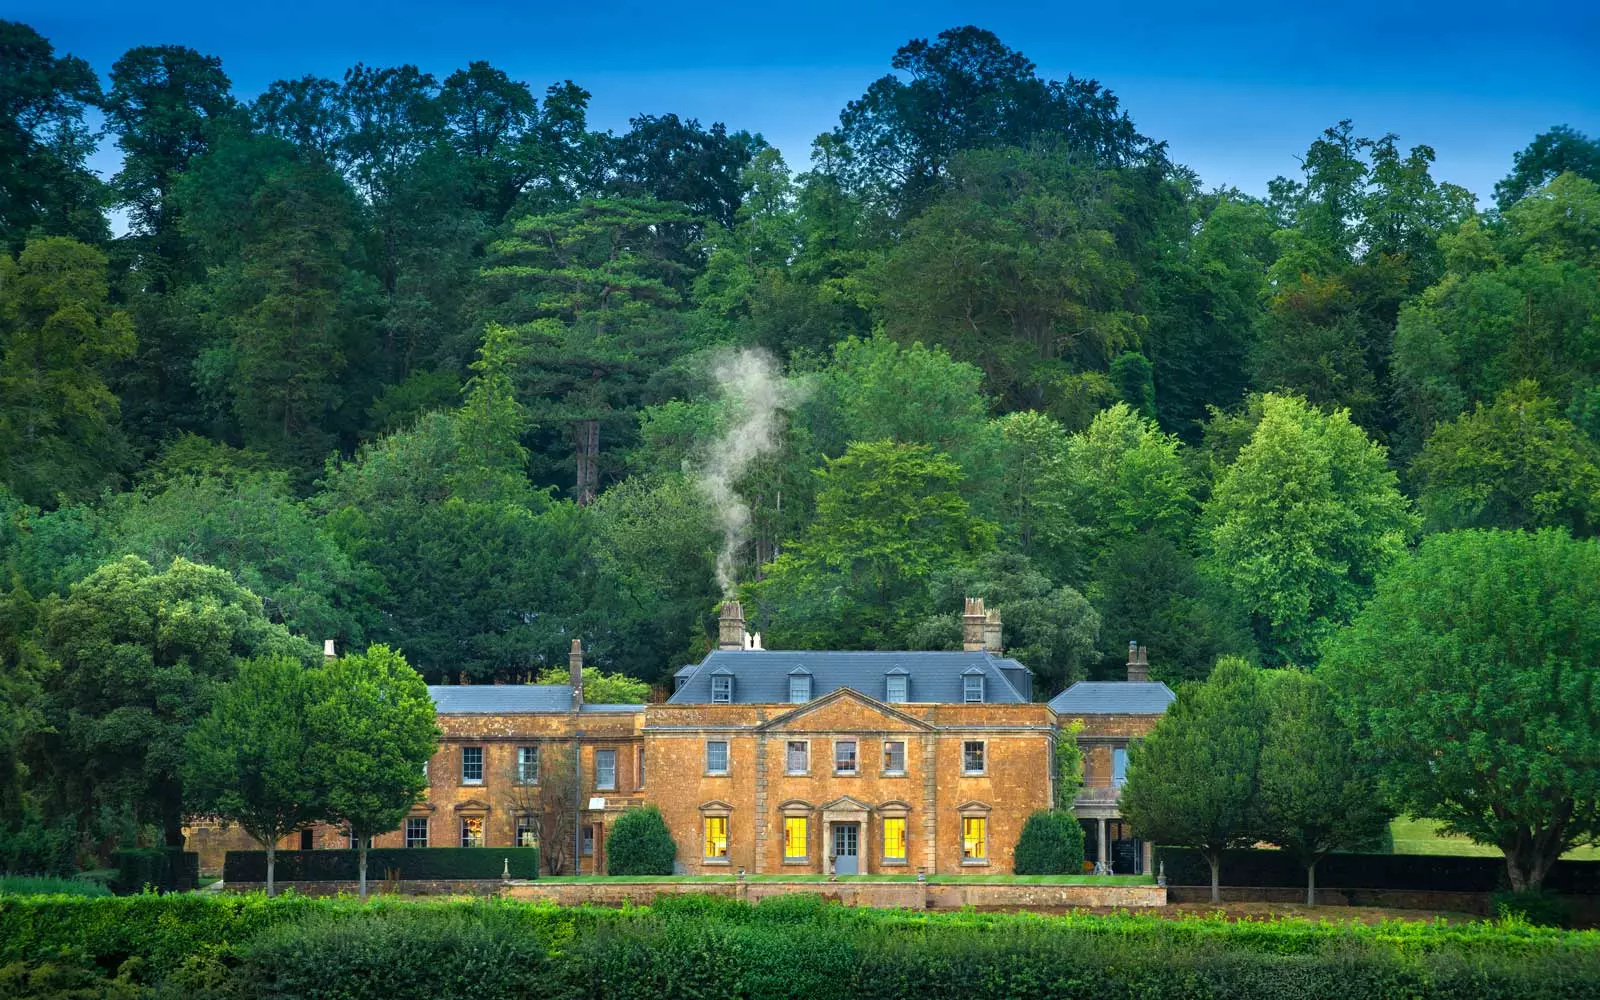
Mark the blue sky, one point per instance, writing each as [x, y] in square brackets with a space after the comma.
[1237, 90]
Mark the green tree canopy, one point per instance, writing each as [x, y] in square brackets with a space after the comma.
[639, 843]
[1301, 524]
[1516, 464]
[59, 335]
[1192, 781]
[140, 655]
[374, 725]
[888, 515]
[1315, 794]
[1470, 683]
[250, 760]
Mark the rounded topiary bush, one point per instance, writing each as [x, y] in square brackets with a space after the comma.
[1051, 844]
[640, 844]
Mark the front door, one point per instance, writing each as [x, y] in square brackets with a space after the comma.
[846, 846]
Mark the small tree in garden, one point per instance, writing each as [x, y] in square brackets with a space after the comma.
[374, 724]
[1051, 844]
[250, 762]
[1192, 781]
[640, 844]
[1314, 795]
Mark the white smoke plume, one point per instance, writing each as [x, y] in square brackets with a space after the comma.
[755, 395]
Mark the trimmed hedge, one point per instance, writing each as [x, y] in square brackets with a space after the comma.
[639, 843]
[1413, 872]
[1051, 844]
[417, 864]
[799, 947]
[165, 869]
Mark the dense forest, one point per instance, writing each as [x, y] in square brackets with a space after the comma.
[433, 363]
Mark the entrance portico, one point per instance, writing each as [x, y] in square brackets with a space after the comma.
[845, 834]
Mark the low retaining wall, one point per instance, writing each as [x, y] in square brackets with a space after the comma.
[907, 895]
[458, 887]
[1585, 909]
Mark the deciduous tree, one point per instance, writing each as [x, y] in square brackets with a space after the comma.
[1470, 682]
[374, 726]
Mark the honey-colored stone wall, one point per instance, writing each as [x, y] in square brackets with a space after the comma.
[758, 792]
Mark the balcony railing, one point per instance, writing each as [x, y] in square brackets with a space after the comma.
[1100, 795]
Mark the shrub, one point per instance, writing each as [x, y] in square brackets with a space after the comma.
[1542, 909]
[165, 869]
[408, 863]
[38, 885]
[1051, 844]
[399, 954]
[640, 844]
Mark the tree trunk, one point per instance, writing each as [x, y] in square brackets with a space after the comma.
[1311, 882]
[586, 435]
[361, 848]
[272, 860]
[1214, 859]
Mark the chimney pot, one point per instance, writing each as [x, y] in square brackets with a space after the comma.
[575, 672]
[992, 633]
[973, 621]
[1138, 663]
[730, 627]
[328, 652]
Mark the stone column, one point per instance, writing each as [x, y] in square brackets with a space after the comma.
[1103, 865]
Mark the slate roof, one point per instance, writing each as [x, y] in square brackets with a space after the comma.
[495, 699]
[762, 676]
[614, 708]
[1113, 698]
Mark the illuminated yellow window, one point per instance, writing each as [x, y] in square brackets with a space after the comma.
[894, 838]
[716, 836]
[794, 838]
[975, 838]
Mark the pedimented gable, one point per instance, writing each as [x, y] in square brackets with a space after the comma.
[845, 710]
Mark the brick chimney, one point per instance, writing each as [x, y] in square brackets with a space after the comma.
[730, 627]
[1138, 663]
[575, 673]
[973, 625]
[991, 633]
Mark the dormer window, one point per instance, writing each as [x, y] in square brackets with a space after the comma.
[972, 688]
[799, 687]
[722, 689]
[898, 689]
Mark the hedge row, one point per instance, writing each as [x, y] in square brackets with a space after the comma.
[796, 947]
[409, 863]
[1412, 872]
[165, 869]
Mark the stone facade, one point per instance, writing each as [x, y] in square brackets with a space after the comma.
[755, 795]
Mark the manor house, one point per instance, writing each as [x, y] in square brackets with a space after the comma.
[805, 762]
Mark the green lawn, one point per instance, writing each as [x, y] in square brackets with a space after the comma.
[1421, 836]
[932, 879]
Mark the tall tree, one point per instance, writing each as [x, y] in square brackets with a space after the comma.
[967, 90]
[1192, 781]
[1561, 150]
[374, 725]
[141, 653]
[1485, 643]
[1315, 794]
[250, 760]
[888, 515]
[599, 298]
[1301, 524]
[167, 104]
[59, 335]
[46, 186]
[1516, 464]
